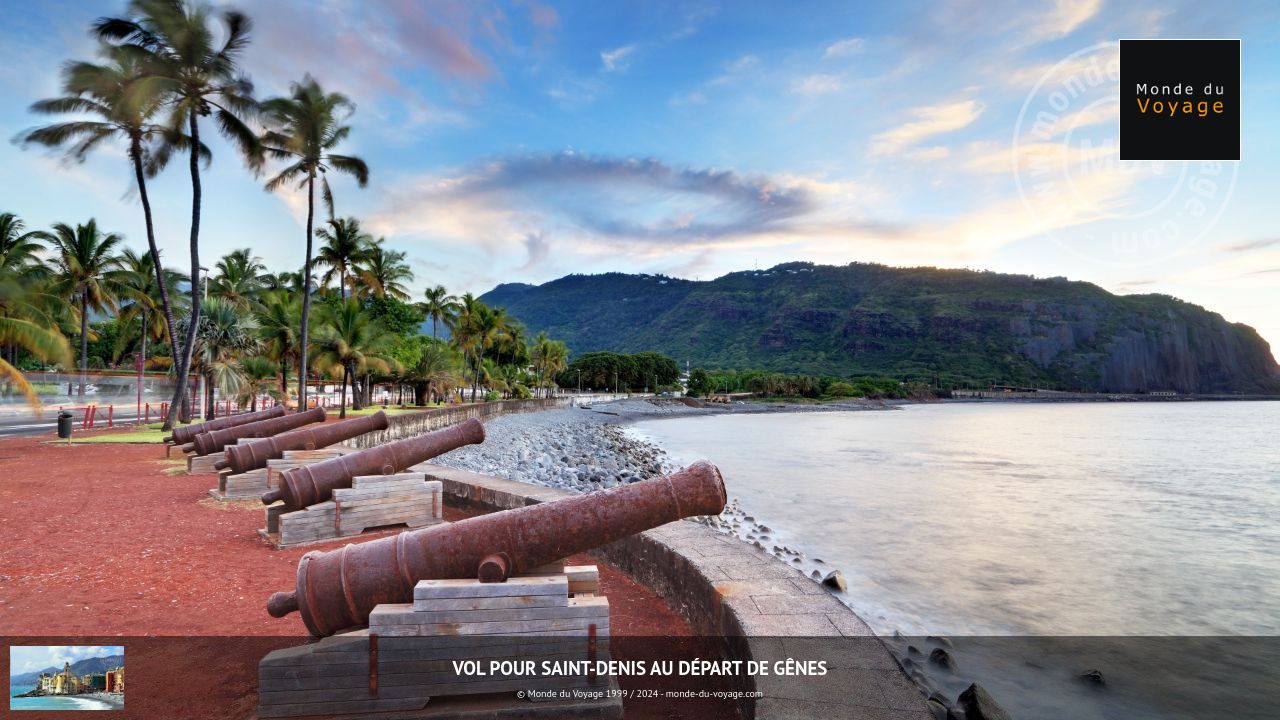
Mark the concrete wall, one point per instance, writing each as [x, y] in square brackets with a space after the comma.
[760, 606]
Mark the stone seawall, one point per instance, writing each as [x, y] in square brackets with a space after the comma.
[760, 607]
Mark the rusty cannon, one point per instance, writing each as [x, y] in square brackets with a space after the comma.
[211, 442]
[184, 434]
[253, 455]
[311, 484]
[338, 589]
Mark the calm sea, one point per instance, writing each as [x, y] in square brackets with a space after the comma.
[1021, 520]
[51, 703]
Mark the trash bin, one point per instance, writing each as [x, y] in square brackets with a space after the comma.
[64, 425]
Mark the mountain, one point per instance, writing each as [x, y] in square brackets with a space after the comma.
[961, 326]
[80, 667]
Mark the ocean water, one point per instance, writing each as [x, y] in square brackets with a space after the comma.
[1016, 521]
[51, 703]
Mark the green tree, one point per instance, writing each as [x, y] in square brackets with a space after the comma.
[345, 248]
[87, 271]
[25, 325]
[239, 278]
[197, 77]
[383, 272]
[436, 371]
[226, 334]
[259, 374]
[303, 130]
[279, 315]
[125, 103]
[20, 268]
[700, 384]
[439, 306]
[141, 316]
[350, 340]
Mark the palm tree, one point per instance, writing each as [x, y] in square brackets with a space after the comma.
[225, 334]
[549, 357]
[435, 373]
[352, 341]
[439, 306]
[139, 294]
[239, 277]
[24, 325]
[125, 104]
[278, 317]
[19, 262]
[342, 253]
[304, 129]
[87, 271]
[465, 329]
[259, 374]
[383, 272]
[197, 78]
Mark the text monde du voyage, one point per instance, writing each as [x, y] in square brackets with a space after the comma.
[1180, 100]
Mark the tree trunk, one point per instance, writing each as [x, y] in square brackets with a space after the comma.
[210, 411]
[135, 151]
[284, 377]
[350, 372]
[342, 411]
[84, 339]
[342, 286]
[188, 345]
[306, 295]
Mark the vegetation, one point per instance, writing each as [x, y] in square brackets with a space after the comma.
[614, 371]
[943, 328]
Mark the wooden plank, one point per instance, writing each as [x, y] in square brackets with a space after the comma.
[400, 614]
[490, 603]
[513, 627]
[522, 585]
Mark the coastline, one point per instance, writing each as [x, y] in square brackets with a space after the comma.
[107, 701]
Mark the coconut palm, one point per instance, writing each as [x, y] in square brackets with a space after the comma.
[239, 277]
[87, 271]
[384, 272]
[549, 357]
[259, 375]
[343, 251]
[20, 249]
[139, 303]
[225, 334]
[350, 340]
[198, 77]
[124, 105]
[439, 306]
[304, 129]
[435, 373]
[279, 314]
[24, 325]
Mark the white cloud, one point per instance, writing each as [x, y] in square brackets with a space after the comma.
[930, 120]
[819, 84]
[616, 60]
[844, 48]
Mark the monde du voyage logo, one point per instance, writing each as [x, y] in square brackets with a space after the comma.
[1179, 99]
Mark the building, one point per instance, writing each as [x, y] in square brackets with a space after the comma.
[114, 680]
[45, 684]
[65, 682]
[94, 682]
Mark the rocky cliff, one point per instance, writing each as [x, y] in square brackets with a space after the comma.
[956, 326]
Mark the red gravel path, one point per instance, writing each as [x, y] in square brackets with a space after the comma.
[98, 540]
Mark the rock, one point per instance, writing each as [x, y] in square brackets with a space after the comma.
[955, 714]
[939, 640]
[978, 704]
[816, 575]
[835, 580]
[936, 709]
[913, 651]
[942, 659]
[1092, 677]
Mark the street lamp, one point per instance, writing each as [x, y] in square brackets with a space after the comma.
[579, 381]
[205, 270]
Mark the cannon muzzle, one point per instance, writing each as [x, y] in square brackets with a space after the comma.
[314, 483]
[185, 433]
[339, 588]
[215, 441]
[253, 455]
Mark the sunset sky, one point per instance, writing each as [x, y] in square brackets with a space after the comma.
[524, 141]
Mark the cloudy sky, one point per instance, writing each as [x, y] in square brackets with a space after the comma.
[522, 141]
[29, 658]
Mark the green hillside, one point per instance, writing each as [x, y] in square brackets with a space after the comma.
[963, 327]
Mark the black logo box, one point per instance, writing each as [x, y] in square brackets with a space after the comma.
[1187, 68]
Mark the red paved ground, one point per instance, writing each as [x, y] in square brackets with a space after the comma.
[99, 540]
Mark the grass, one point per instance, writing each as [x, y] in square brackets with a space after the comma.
[150, 435]
[390, 410]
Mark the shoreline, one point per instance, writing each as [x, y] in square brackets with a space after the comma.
[110, 701]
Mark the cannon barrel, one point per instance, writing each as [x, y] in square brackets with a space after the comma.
[183, 434]
[339, 588]
[215, 441]
[253, 455]
[314, 483]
